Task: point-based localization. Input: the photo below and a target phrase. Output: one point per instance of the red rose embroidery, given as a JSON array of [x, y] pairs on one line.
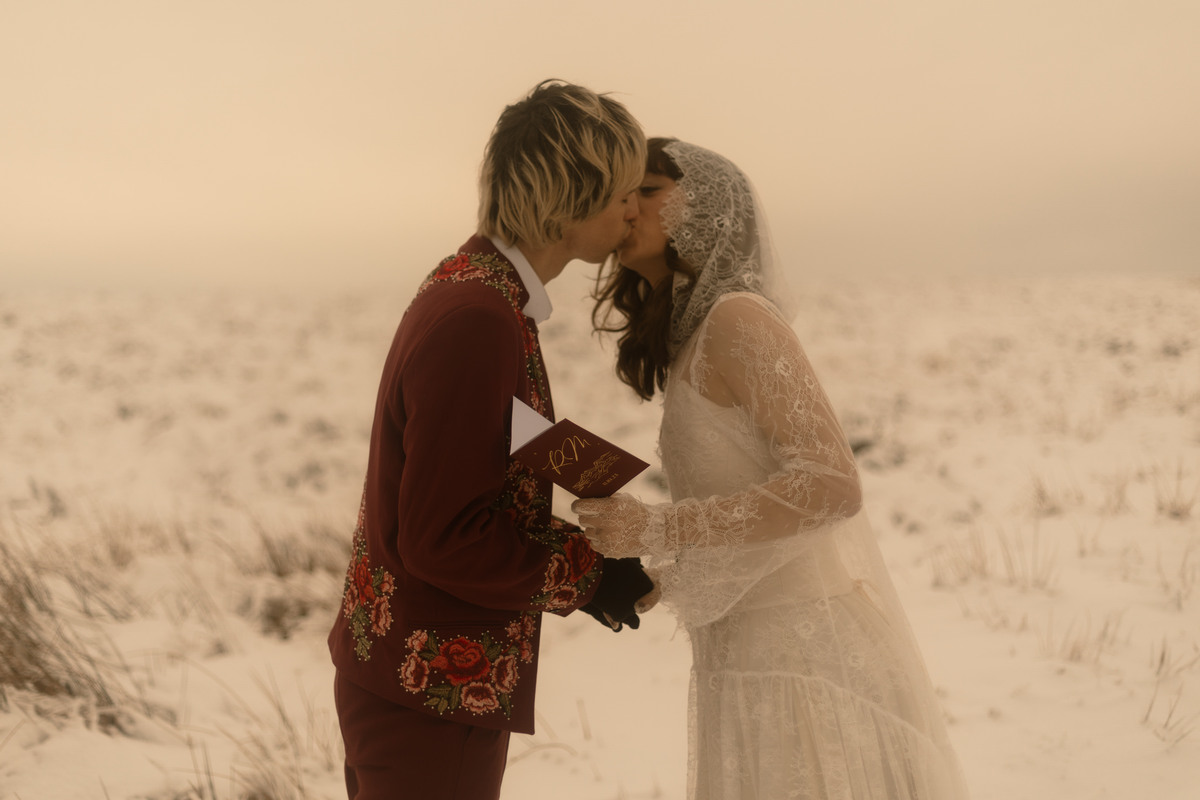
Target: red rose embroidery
[[504, 674], [417, 640], [563, 597], [557, 572], [479, 698], [362, 580], [581, 557], [462, 660], [526, 494], [415, 673], [526, 651], [381, 616], [350, 601], [456, 264]]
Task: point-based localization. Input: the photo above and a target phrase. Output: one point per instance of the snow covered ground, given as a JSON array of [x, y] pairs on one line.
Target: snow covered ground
[[179, 473]]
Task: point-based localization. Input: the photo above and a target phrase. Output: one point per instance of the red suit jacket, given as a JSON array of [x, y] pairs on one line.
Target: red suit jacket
[[456, 554]]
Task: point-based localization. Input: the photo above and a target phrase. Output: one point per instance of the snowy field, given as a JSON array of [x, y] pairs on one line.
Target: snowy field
[[179, 473]]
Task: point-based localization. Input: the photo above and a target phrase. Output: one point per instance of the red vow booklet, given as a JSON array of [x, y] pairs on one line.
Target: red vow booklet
[[570, 456]]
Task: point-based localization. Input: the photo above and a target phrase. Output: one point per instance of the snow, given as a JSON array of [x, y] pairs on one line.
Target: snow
[[179, 473]]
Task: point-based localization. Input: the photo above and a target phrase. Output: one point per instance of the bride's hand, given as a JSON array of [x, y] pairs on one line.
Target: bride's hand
[[616, 526]]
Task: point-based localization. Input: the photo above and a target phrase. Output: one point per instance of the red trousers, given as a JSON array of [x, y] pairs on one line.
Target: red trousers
[[395, 753]]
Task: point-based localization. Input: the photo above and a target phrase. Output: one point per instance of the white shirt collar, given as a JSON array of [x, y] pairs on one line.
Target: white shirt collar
[[538, 308]]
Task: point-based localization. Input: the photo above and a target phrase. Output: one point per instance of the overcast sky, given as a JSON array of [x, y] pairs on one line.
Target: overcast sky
[[286, 140]]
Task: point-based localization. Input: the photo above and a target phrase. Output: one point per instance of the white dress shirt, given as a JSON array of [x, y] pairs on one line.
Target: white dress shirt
[[538, 308]]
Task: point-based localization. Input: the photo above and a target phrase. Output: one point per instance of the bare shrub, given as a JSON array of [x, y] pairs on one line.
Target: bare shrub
[[1171, 726], [958, 561], [1082, 642], [1175, 498], [1027, 564], [1179, 582], [313, 547], [1169, 665], [1116, 494], [1050, 499]]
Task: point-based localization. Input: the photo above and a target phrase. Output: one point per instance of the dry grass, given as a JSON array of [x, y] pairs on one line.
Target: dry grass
[[1083, 642], [58, 664], [1028, 563], [49, 653], [1170, 724], [1175, 494], [1179, 580], [274, 756]]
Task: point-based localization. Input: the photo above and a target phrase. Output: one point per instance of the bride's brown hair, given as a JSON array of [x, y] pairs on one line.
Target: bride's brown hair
[[626, 303]]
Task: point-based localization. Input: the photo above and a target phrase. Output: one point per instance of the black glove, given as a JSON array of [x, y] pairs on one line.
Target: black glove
[[622, 583]]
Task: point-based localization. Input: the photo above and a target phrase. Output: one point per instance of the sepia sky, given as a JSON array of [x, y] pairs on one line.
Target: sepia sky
[[288, 141]]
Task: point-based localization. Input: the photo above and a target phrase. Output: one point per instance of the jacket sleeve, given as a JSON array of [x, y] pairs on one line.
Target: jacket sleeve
[[455, 400]]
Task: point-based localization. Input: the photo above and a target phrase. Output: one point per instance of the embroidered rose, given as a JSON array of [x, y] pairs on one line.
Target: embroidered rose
[[558, 572], [479, 698], [414, 675], [580, 555], [381, 616], [563, 597], [462, 660], [366, 596], [362, 580], [350, 601], [417, 640], [504, 674], [526, 494], [455, 264]]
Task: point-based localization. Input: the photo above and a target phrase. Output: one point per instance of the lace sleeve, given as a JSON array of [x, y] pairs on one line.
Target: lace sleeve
[[749, 357]]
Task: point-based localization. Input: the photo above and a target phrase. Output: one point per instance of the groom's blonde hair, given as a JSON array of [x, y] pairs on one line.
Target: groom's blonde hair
[[557, 156]]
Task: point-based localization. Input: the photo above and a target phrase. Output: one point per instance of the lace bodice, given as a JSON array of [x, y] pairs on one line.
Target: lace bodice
[[760, 472]]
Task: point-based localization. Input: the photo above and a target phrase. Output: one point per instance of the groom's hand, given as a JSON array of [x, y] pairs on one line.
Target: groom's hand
[[623, 583]]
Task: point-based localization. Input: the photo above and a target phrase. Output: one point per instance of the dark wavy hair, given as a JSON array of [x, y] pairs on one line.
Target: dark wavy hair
[[640, 314]]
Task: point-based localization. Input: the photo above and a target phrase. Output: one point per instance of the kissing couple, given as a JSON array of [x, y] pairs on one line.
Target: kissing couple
[[806, 679]]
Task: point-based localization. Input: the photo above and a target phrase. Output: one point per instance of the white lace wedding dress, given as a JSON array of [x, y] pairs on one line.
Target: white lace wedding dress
[[806, 682]]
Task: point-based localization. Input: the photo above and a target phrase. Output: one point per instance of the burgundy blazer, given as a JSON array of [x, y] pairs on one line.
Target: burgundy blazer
[[456, 554]]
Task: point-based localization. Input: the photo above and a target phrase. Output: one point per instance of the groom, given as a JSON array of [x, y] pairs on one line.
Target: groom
[[456, 554]]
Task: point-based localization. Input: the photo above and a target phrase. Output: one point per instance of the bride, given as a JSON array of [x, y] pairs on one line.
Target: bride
[[806, 679]]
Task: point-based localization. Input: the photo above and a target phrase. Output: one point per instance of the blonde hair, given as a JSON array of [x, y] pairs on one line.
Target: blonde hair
[[557, 156]]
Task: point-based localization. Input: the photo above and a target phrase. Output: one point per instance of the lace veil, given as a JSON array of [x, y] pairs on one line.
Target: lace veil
[[715, 222]]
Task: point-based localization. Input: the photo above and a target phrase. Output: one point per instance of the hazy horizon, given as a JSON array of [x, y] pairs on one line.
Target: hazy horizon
[[313, 143]]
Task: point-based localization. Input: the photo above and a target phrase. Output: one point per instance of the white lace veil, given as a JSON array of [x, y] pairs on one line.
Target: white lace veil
[[716, 223]]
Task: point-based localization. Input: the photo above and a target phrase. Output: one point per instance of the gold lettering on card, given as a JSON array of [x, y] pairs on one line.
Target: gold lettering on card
[[600, 468], [566, 455]]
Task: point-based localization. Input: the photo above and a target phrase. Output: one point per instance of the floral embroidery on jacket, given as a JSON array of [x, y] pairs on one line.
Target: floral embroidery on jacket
[[520, 498], [477, 676], [572, 564], [497, 273], [366, 601], [571, 571]]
